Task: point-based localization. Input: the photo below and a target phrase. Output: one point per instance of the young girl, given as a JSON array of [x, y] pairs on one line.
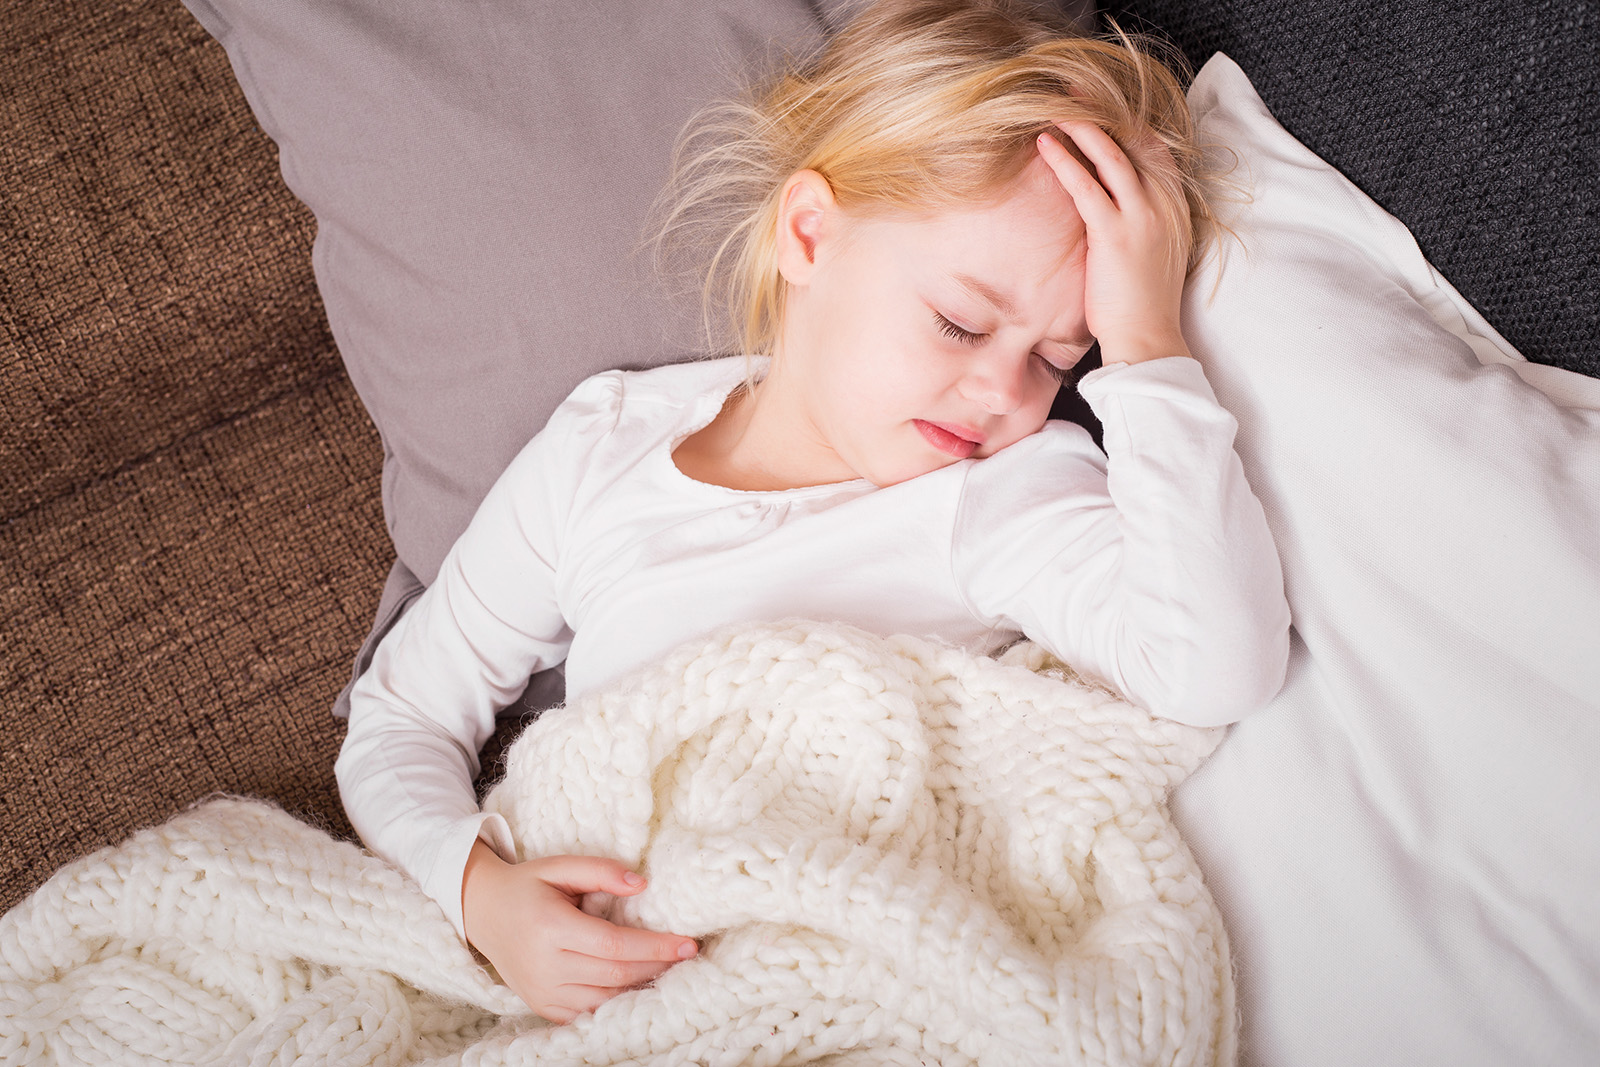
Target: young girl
[[943, 214]]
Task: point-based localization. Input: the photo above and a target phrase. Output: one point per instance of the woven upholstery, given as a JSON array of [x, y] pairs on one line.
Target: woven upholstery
[[192, 540]]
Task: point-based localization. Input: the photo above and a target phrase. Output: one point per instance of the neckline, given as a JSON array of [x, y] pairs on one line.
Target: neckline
[[704, 410]]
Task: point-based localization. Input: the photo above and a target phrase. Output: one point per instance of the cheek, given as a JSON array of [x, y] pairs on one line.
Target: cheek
[[1030, 418], [877, 362], [1046, 383]]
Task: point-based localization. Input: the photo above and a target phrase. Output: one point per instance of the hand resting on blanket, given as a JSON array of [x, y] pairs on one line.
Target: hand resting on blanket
[[892, 852], [525, 918]]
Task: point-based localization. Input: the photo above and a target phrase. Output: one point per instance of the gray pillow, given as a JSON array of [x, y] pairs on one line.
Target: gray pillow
[[480, 175]]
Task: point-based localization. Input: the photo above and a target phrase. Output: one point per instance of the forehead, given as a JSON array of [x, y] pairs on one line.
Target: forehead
[[1026, 226]]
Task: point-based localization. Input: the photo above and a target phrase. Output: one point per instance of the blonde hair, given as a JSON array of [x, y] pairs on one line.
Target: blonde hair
[[914, 107]]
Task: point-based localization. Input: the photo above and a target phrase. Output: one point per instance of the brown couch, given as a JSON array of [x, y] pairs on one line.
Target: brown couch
[[193, 541]]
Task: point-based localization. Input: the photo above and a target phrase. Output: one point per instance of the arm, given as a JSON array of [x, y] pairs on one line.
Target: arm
[[1155, 571], [422, 711]]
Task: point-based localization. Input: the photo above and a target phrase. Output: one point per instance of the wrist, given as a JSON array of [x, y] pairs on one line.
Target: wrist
[[1143, 348], [483, 866]]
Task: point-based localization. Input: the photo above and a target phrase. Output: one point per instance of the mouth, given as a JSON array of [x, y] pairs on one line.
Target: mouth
[[949, 438]]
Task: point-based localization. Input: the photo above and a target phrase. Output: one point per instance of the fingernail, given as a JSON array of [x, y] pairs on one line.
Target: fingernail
[[633, 879], [687, 949]]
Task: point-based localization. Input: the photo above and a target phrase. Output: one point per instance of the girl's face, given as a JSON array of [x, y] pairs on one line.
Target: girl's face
[[911, 343]]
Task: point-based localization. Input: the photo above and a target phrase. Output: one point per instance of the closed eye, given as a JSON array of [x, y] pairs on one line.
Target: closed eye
[[1060, 374], [956, 333], [967, 337]]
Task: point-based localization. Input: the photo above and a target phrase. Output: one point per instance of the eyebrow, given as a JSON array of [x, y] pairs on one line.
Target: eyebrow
[[984, 291], [1002, 303]]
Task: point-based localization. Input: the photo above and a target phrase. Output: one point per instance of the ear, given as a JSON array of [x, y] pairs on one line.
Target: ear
[[806, 213]]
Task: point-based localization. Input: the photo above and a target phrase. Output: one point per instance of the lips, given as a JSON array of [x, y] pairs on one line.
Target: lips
[[951, 439]]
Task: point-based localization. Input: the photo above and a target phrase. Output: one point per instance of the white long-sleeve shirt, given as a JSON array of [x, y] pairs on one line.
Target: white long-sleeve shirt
[[1154, 572]]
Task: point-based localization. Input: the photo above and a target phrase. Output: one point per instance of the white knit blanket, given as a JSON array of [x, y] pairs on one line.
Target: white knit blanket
[[892, 852]]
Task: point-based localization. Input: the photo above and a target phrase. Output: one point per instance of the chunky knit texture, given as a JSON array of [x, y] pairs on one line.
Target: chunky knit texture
[[892, 852]]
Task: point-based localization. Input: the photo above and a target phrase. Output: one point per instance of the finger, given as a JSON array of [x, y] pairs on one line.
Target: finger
[[1088, 195], [579, 1000], [589, 874], [1118, 175], [556, 1013], [593, 936], [611, 974]]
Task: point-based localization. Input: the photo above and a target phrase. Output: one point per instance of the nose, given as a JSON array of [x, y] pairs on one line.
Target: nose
[[996, 382]]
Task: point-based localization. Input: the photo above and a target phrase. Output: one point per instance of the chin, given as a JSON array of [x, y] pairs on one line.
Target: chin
[[884, 479]]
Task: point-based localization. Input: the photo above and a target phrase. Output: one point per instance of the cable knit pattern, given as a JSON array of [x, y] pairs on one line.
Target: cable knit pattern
[[893, 853]]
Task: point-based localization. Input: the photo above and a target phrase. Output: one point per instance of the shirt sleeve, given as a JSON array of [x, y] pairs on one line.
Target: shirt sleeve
[[466, 649], [1154, 570]]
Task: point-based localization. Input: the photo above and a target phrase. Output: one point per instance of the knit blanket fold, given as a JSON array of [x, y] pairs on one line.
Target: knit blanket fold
[[892, 852]]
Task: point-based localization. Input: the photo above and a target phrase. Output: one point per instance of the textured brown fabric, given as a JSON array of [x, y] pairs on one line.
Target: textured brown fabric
[[182, 627], [191, 537], [153, 271]]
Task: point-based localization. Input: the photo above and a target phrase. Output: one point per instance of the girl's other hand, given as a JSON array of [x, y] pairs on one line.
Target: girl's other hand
[[1136, 262], [561, 961]]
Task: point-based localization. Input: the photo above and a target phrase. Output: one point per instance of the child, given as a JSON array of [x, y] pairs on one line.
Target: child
[[944, 214]]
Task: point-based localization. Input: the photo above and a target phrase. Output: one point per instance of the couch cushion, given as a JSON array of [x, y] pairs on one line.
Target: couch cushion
[[153, 275], [181, 626]]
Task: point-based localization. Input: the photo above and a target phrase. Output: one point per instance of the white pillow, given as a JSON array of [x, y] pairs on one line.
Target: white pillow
[[1405, 843]]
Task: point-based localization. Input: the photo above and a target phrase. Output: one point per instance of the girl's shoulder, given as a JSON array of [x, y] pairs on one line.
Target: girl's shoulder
[[647, 403], [1058, 442], [1059, 466], [615, 430], [690, 384]]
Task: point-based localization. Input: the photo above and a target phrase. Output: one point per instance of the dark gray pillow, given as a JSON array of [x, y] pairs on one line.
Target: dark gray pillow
[[1476, 125]]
